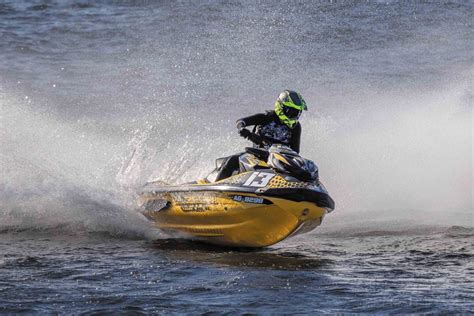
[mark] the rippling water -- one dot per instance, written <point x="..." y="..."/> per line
<point x="98" y="97"/>
<point x="406" y="272"/>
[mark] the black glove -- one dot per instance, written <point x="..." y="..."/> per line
<point x="240" y="125"/>
<point x="245" y="133"/>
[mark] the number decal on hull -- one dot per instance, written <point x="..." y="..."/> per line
<point x="258" y="179"/>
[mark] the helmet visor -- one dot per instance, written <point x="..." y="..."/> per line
<point x="291" y="113"/>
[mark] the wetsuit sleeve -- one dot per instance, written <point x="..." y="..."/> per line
<point x="257" y="119"/>
<point x="295" y="138"/>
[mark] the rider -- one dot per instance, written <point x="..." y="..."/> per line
<point x="280" y="126"/>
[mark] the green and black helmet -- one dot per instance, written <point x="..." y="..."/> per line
<point x="289" y="106"/>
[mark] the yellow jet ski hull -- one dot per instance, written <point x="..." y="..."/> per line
<point x="238" y="219"/>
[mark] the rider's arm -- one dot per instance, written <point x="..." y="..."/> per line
<point x="257" y="119"/>
<point x="295" y="138"/>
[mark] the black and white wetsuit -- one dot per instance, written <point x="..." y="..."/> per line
<point x="269" y="125"/>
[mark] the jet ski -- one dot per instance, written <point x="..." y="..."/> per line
<point x="253" y="199"/>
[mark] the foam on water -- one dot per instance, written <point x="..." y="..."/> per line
<point x="53" y="177"/>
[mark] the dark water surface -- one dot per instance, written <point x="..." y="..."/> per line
<point x="98" y="97"/>
<point x="391" y="273"/>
